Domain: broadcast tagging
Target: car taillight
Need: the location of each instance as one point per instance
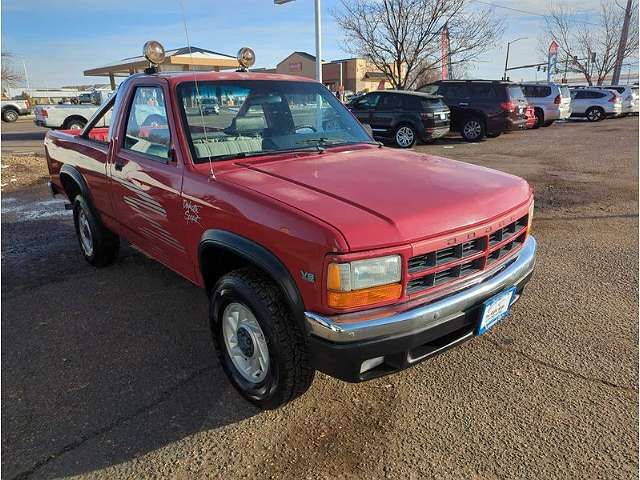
(508, 106)
(557, 100)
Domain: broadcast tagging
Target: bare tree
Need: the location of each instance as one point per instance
(402, 37)
(579, 40)
(9, 75)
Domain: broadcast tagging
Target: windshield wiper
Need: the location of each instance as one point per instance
(264, 152)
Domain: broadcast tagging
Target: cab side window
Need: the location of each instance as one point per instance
(368, 101)
(147, 130)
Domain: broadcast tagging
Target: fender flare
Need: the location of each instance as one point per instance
(77, 177)
(260, 257)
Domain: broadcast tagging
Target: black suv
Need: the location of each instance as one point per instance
(403, 117)
(481, 108)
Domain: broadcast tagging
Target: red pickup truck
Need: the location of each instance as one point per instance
(318, 248)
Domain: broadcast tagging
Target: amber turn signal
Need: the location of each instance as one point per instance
(364, 297)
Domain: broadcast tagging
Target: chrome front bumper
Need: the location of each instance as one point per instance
(431, 314)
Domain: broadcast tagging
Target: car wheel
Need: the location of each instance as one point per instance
(595, 114)
(98, 245)
(539, 114)
(10, 115)
(405, 136)
(473, 130)
(260, 346)
(75, 124)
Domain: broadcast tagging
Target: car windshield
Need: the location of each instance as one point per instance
(258, 117)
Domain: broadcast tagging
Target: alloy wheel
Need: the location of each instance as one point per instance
(472, 129)
(405, 136)
(86, 239)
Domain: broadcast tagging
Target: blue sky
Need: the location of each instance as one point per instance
(59, 39)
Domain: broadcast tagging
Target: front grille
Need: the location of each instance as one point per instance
(485, 251)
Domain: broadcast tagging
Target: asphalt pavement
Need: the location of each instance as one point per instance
(22, 137)
(111, 374)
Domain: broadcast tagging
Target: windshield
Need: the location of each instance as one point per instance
(259, 117)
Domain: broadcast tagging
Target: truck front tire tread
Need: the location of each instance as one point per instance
(287, 346)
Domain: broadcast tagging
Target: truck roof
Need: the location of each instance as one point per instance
(178, 77)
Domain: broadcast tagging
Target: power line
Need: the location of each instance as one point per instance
(525, 12)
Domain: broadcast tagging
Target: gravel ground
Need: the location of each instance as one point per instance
(110, 374)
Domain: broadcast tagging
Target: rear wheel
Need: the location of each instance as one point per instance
(261, 348)
(595, 114)
(405, 136)
(10, 115)
(539, 118)
(75, 124)
(472, 129)
(98, 245)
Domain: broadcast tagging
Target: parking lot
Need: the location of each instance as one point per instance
(111, 373)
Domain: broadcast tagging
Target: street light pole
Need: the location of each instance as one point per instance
(318, 43)
(506, 60)
(318, 35)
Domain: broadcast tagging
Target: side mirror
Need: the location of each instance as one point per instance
(368, 129)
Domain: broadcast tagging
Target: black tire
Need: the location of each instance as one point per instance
(548, 124)
(289, 373)
(75, 124)
(539, 113)
(595, 114)
(473, 129)
(405, 136)
(104, 244)
(10, 115)
(494, 135)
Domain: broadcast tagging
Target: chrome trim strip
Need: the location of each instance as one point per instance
(429, 315)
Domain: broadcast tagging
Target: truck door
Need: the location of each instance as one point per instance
(146, 177)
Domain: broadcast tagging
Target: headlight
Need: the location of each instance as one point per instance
(364, 282)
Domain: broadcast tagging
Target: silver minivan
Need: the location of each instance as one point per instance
(551, 101)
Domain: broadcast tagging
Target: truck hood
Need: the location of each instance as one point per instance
(381, 197)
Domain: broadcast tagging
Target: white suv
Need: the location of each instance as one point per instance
(551, 101)
(629, 94)
(595, 104)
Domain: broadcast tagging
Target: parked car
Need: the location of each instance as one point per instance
(13, 109)
(210, 106)
(595, 104)
(402, 117)
(318, 248)
(530, 117)
(551, 101)
(629, 96)
(481, 108)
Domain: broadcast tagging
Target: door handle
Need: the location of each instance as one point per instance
(119, 165)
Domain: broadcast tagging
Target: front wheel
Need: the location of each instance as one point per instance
(473, 130)
(595, 114)
(75, 124)
(261, 348)
(405, 136)
(10, 115)
(98, 245)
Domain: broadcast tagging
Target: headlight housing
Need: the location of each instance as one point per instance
(364, 282)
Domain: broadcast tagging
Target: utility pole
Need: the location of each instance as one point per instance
(622, 45)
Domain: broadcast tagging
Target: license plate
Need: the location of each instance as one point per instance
(495, 309)
(443, 116)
